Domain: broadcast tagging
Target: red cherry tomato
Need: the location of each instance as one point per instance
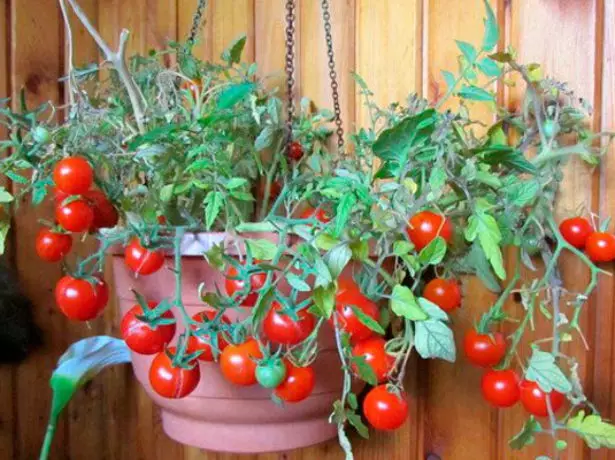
(281, 329)
(105, 214)
(170, 381)
(600, 247)
(52, 246)
(349, 295)
(257, 281)
(534, 400)
(75, 216)
(237, 362)
(59, 196)
(385, 410)
(425, 226)
(376, 357)
(203, 343)
(444, 293)
(194, 86)
(483, 349)
(295, 151)
(73, 175)
(102, 292)
(141, 260)
(78, 299)
(500, 388)
(320, 214)
(297, 385)
(141, 337)
(575, 231)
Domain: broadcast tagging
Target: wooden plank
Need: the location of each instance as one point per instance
(269, 36)
(569, 56)
(229, 21)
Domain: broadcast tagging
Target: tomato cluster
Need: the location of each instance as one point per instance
(578, 232)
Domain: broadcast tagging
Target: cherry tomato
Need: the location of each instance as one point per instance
(141, 337)
(320, 214)
(297, 385)
(281, 329)
(500, 388)
(194, 86)
(270, 373)
(295, 151)
(141, 260)
(102, 292)
(75, 216)
(483, 349)
(73, 175)
(446, 294)
(257, 281)
(348, 295)
(275, 188)
(425, 226)
(575, 231)
(376, 357)
(600, 247)
(237, 362)
(59, 196)
(78, 299)
(52, 246)
(203, 343)
(170, 381)
(534, 400)
(384, 409)
(105, 214)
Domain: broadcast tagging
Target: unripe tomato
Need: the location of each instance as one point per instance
(485, 350)
(349, 295)
(170, 381)
(233, 286)
(600, 247)
(281, 329)
(203, 343)
(297, 385)
(238, 362)
(384, 409)
(141, 260)
(52, 246)
(271, 373)
(534, 400)
(73, 175)
(75, 216)
(41, 135)
(575, 231)
(375, 355)
(446, 294)
(141, 337)
(425, 226)
(500, 388)
(78, 299)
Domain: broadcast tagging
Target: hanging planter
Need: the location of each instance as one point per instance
(273, 291)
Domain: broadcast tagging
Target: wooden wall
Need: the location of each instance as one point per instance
(398, 46)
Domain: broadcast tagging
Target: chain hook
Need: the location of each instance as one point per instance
(290, 66)
(197, 21)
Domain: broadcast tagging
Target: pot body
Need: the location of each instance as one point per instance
(218, 415)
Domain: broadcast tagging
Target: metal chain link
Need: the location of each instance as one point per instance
(326, 17)
(290, 65)
(197, 20)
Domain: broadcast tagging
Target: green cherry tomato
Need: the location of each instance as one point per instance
(270, 373)
(41, 135)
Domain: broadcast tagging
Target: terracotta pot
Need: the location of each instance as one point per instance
(218, 415)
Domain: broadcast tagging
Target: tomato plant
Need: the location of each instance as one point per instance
(52, 246)
(348, 298)
(485, 350)
(282, 329)
(73, 175)
(141, 260)
(297, 385)
(600, 247)
(534, 400)
(425, 226)
(575, 231)
(385, 409)
(171, 381)
(75, 216)
(234, 287)
(142, 337)
(500, 388)
(79, 299)
(238, 362)
(444, 293)
(270, 372)
(203, 343)
(373, 351)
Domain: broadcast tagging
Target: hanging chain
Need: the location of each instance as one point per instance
(197, 20)
(326, 17)
(290, 65)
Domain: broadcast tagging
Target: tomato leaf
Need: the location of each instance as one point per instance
(232, 54)
(297, 283)
(492, 33)
(324, 300)
(483, 226)
(360, 250)
(404, 304)
(474, 93)
(434, 339)
(412, 132)
(337, 259)
(234, 94)
(526, 436)
(262, 306)
(262, 249)
(364, 370)
(357, 423)
(343, 210)
(432, 310)
(449, 78)
(596, 432)
(434, 252)
(323, 275)
(325, 241)
(489, 67)
(367, 321)
(468, 50)
(213, 205)
(543, 370)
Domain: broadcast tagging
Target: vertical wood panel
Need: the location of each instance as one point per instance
(269, 21)
(230, 20)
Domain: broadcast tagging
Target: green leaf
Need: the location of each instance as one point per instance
(325, 241)
(492, 33)
(337, 259)
(505, 155)
(477, 260)
(489, 67)
(215, 256)
(16, 177)
(262, 249)
(265, 138)
(432, 310)
(234, 94)
(5, 196)
(324, 300)
(475, 93)
(297, 283)
(437, 181)
(526, 436)
(449, 78)
(596, 432)
(434, 252)
(434, 339)
(166, 193)
(5, 225)
(367, 321)
(232, 54)
(404, 304)
(411, 132)
(356, 421)
(359, 81)
(485, 227)
(360, 250)
(364, 370)
(402, 247)
(236, 182)
(501, 57)
(213, 202)
(323, 275)
(467, 50)
(543, 370)
(343, 210)
(522, 193)
(262, 306)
